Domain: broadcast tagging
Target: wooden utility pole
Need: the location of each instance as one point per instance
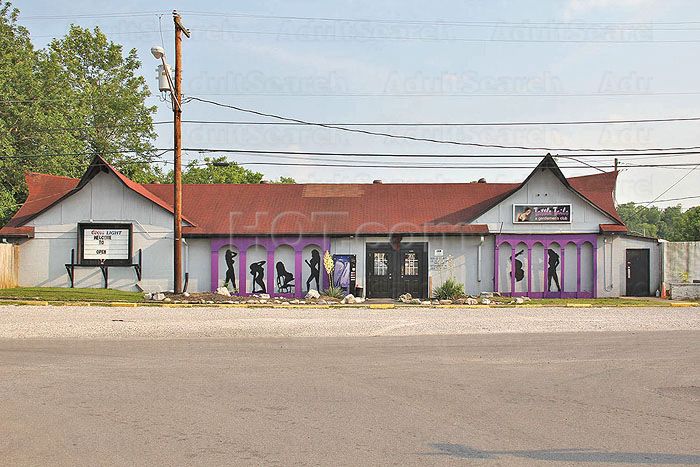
(177, 184)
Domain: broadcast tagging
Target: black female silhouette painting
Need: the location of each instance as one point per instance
(230, 271)
(553, 260)
(519, 272)
(315, 266)
(258, 273)
(284, 278)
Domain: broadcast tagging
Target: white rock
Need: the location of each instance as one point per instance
(485, 301)
(519, 300)
(167, 299)
(471, 301)
(415, 301)
(349, 298)
(359, 299)
(185, 294)
(445, 302)
(313, 294)
(265, 296)
(263, 300)
(425, 302)
(223, 291)
(295, 301)
(158, 296)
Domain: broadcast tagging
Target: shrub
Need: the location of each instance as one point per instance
(334, 292)
(449, 290)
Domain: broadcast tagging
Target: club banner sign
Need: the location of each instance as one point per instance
(105, 243)
(542, 213)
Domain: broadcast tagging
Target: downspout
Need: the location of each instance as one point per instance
(478, 262)
(187, 265)
(605, 267)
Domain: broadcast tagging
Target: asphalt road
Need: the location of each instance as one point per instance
(499, 399)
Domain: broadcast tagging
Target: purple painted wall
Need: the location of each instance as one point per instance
(546, 241)
(270, 245)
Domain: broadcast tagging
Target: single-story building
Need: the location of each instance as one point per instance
(548, 236)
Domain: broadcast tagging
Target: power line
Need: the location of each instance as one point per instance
(420, 139)
(359, 154)
(93, 15)
(449, 39)
(393, 124)
(527, 23)
(469, 94)
(414, 166)
(669, 199)
(432, 155)
(447, 124)
(82, 153)
(674, 184)
(440, 22)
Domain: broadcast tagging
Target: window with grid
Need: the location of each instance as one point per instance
(380, 264)
(410, 264)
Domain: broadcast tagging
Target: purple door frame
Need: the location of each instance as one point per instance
(546, 241)
(270, 245)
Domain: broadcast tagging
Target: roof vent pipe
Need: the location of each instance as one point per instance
(377, 182)
(481, 180)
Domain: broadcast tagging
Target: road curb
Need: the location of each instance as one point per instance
(368, 306)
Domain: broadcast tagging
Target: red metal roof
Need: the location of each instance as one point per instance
(613, 228)
(47, 190)
(17, 232)
(347, 209)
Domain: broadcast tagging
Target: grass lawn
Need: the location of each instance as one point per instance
(70, 295)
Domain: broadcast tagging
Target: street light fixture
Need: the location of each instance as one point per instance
(158, 52)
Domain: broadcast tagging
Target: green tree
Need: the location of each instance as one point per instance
(640, 219)
(217, 170)
(78, 97)
(671, 223)
(106, 98)
(688, 227)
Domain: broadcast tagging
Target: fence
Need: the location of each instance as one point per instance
(681, 262)
(9, 265)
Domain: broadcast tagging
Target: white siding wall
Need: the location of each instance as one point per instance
(544, 188)
(103, 199)
(612, 261)
(199, 265)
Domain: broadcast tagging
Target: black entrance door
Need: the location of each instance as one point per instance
(391, 272)
(637, 271)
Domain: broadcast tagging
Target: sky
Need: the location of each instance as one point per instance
(396, 61)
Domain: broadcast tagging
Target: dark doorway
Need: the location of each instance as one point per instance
(391, 272)
(637, 272)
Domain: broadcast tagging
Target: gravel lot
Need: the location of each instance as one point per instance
(164, 323)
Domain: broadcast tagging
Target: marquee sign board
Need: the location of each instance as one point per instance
(105, 243)
(542, 213)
